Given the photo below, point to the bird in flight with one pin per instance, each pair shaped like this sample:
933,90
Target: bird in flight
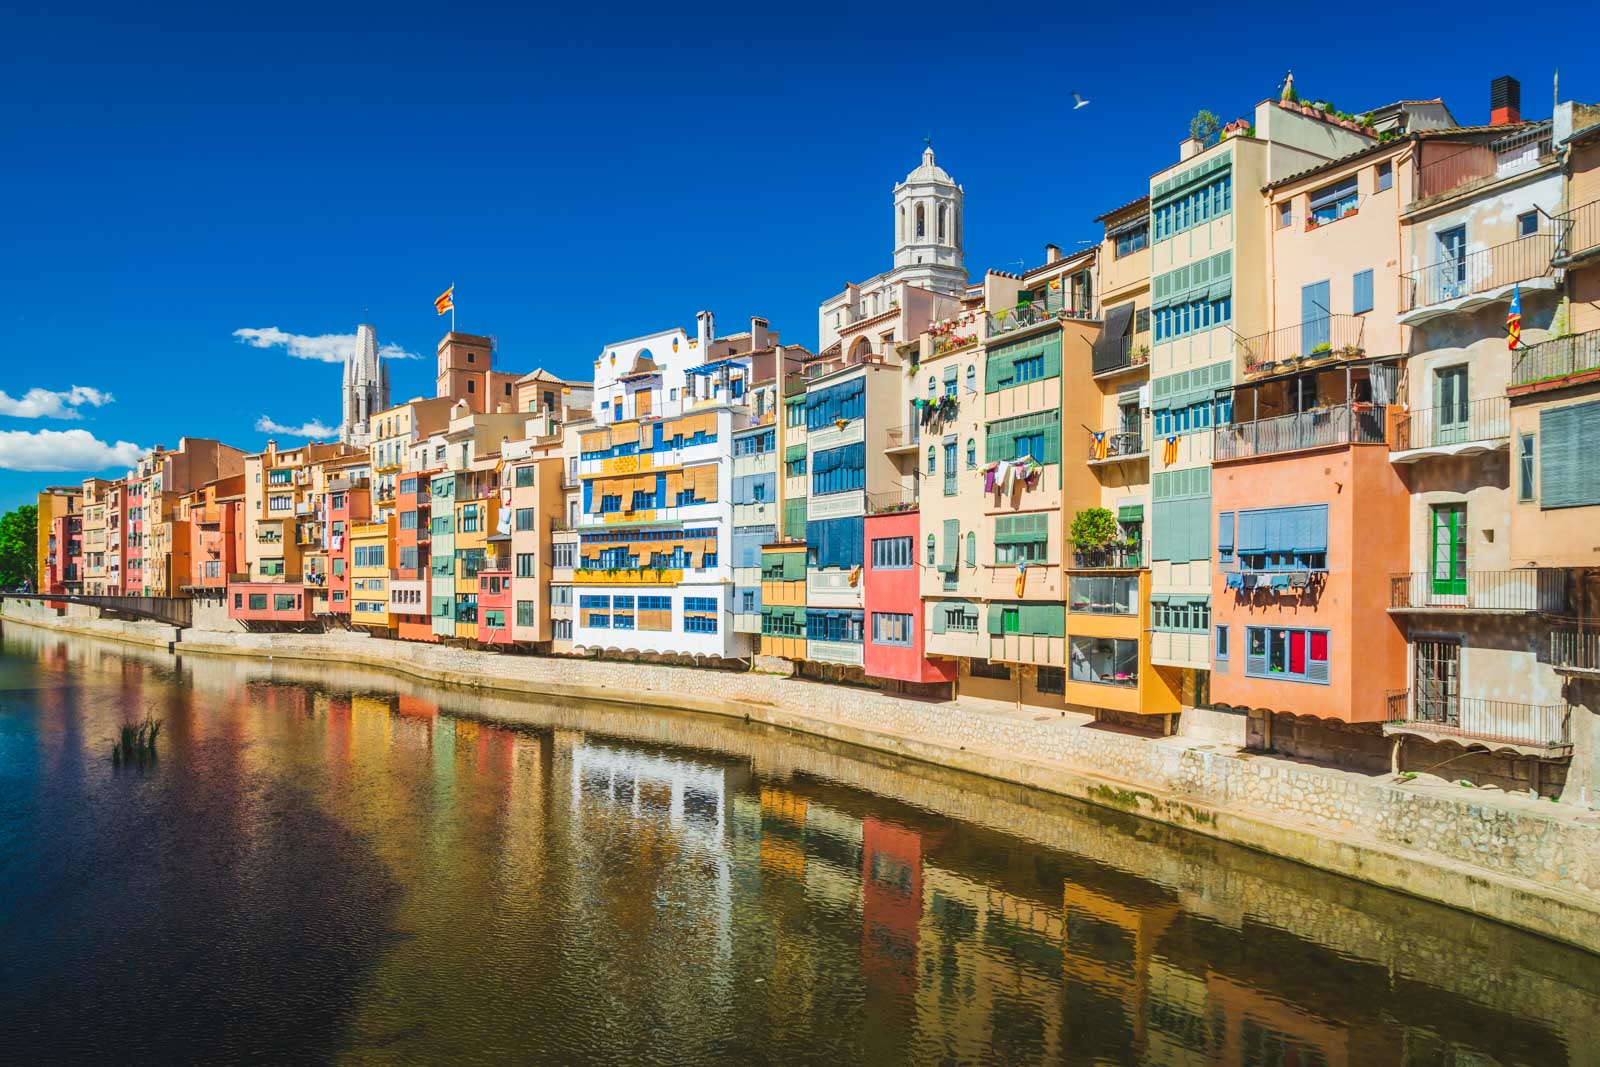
1081,102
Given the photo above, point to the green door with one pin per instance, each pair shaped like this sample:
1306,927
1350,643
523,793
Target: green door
1450,549
1450,405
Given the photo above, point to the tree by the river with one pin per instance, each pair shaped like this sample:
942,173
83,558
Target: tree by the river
19,546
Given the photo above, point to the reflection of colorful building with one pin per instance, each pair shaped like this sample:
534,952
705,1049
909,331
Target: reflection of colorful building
891,904
1110,940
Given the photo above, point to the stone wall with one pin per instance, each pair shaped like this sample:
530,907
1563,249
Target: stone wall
1525,862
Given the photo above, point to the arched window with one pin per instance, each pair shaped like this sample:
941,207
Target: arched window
930,550
972,549
922,221
972,453
902,223
933,388
942,210
932,459
972,377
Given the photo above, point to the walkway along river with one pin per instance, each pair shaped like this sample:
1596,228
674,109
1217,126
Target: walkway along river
337,864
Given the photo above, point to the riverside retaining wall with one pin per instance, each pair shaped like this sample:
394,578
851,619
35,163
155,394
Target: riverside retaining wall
1528,863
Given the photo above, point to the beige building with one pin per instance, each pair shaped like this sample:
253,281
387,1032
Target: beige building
394,434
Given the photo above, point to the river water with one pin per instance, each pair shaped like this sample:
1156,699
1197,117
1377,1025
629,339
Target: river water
326,864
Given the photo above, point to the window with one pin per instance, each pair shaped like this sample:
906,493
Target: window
972,550
258,602
839,470
1037,435
1183,615
1104,595
933,460
595,612
273,568
891,629
930,550
525,565
1141,320
1104,660
1525,467
1361,292
1285,214
841,625
956,618
700,615
1286,654
795,468
524,477
408,520
336,502
280,502
561,629
561,554
1336,200
1219,653
982,668
747,601
972,378
1193,316
1450,549
524,519
622,617
1211,200
892,553
1052,680
1527,224
950,470
472,387
561,596
280,477
1133,238
1274,539
824,407
492,618
1385,176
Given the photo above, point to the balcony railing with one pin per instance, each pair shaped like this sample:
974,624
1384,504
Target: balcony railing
1478,272
1540,725
1351,424
1328,337
1575,650
1497,159
1119,444
1120,353
1024,315
1542,589
1488,419
1557,358
907,436
1110,557
1580,232
891,502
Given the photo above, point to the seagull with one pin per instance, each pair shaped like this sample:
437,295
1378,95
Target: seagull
1081,102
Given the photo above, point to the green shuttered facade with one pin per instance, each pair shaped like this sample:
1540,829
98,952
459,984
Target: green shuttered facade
1181,528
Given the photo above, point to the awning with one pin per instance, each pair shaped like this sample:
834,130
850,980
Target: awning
1130,513
1118,320
794,452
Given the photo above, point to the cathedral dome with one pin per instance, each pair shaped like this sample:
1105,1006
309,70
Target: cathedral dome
929,171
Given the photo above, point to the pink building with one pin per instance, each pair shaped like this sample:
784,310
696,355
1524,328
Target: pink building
894,646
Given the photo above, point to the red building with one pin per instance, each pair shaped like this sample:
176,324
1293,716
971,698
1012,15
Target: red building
893,599
408,589
216,536
349,500
138,531
269,602
65,563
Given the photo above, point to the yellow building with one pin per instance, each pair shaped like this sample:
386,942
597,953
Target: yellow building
371,554
56,502
783,600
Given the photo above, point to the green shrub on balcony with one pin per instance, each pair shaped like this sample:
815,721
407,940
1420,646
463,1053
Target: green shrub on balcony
1093,528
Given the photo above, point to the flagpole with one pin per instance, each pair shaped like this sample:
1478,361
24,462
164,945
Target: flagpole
452,307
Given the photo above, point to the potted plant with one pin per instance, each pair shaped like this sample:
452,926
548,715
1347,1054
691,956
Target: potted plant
1352,352
1140,355
1321,350
1093,530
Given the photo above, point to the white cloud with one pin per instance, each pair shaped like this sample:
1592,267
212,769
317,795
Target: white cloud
313,429
63,450
324,348
46,404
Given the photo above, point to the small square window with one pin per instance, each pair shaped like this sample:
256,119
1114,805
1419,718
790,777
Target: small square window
1527,224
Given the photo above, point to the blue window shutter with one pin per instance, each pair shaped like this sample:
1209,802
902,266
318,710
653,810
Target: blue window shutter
1313,319
1361,286
1225,537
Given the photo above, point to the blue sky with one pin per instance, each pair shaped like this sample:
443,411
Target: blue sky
175,176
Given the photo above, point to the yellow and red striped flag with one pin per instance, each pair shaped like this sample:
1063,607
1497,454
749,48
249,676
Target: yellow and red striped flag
446,301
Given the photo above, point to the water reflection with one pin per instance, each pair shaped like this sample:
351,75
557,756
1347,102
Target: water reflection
346,865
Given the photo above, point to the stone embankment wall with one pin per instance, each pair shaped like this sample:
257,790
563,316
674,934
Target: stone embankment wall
1530,863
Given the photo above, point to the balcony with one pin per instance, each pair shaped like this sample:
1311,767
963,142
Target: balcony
1115,355
1580,234
1347,424
1539,729
905,437
1304,345
893,502
1550,363
628,576
1118,446
1024,316
1527,589
1466,283
1472,164
1452,430
1575,651
1108,557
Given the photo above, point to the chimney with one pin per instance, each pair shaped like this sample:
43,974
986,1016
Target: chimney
707,329
1505,101
1052,253
758,333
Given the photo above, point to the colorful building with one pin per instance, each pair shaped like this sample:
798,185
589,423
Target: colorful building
410,606
60,528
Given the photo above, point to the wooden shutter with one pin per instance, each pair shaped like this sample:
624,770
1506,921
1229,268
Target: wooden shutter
1565,481
952,544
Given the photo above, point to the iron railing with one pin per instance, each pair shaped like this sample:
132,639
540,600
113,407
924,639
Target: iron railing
1477,272
1580,232
1119,444
1345,425
892,501
1113,557
1314,339
1541,589
1557,358
1121,353
1497,159
1575,650
1487,419
1549,725
1025,315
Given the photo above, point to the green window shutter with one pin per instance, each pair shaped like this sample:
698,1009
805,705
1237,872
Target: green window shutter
936,610
952,544
1564,479
1052,444
996,615
1044,620
794,566
794,517
1052,356
794,452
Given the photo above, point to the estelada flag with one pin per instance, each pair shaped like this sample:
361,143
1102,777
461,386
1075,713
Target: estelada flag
1169,451
1099,444
1514,319
446,301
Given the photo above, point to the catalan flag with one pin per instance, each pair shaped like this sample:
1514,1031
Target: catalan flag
446,301
1169,450
1099,444
1514,319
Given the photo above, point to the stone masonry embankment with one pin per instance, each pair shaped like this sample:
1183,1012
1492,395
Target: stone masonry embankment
1531,864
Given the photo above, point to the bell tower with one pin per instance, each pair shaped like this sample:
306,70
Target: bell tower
927,228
